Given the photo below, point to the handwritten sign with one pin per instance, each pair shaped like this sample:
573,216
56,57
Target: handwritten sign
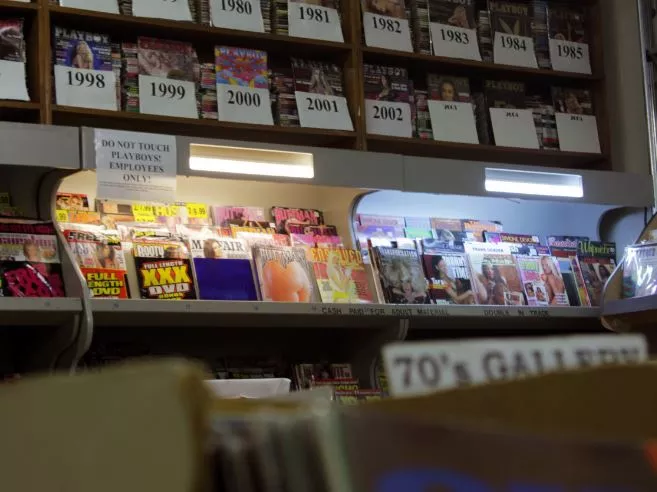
514,128
453,121
578,133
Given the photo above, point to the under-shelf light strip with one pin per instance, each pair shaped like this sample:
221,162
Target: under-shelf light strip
221,165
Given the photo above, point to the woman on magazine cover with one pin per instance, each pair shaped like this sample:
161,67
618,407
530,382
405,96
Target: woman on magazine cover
84,57
441,271
553,282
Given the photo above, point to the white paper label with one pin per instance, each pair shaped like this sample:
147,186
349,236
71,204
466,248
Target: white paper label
510,49
578,133
83,88
243,15
567,56
167,97
514,128
453,122
135,166
388,118
322,111
455,42
162,9
107,6
13,84
314,22
244,104
426,367
382,31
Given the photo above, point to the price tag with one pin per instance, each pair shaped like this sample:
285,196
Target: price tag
382,31
314,22
567,56
83,88
197,210
162,9
388,118
514,128
243,15
578,133
143,213
13,84
240,104
107,6
453,122
61,215
322,111
167,97
455,42
166,210
510,49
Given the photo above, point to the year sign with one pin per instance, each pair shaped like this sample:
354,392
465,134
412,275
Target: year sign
164,89
307,12
576,53
318,104
238,6
510,49
244,99
386,24
454,36
513,43
388,113
78,79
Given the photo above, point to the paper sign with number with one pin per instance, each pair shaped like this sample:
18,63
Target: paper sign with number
514,128
322,111
567,56
455,42
388,118
61,215
197,210
243,15
13,84
382,31
578,133
240,104
426,367
143,213
83,88
106,6
453,122
167,97
518,51
162,9
314,22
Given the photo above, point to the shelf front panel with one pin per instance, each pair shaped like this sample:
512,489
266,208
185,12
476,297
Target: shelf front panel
8,6
39,145
36,311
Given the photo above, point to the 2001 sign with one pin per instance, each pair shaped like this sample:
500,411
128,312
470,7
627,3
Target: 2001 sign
318,104
388,113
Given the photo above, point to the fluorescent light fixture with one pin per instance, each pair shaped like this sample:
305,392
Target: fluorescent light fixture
254,162
534,183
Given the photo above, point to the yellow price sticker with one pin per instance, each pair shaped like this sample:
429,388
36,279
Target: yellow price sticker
197,211
143,213
61,215
166,210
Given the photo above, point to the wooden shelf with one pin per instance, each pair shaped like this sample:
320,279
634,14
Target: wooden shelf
485,153
428,63
24,105
11,6
122,120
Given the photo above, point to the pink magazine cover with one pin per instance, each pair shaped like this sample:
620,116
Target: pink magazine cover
241,66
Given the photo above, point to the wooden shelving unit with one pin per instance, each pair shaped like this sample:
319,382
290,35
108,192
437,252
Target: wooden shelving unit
41,16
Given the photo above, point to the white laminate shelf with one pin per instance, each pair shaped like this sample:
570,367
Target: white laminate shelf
38,311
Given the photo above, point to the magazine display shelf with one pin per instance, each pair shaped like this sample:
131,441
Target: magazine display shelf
49,333
41,16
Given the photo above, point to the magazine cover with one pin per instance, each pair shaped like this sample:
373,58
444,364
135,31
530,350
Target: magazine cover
381,220
567,22
168,59
341,276
449,230
572,101
221,215
80,49
321,230
510,17
505,237
448,273
386,83
222,268
459,13
401,275
12,41
29,260
415,233
72,201
329,242
447,88
542,281
479,227
391,8
640,270
163,268
495,278
317,77
102,262
564,249
241,66
284,217
284,274
417,223
597,261
505,94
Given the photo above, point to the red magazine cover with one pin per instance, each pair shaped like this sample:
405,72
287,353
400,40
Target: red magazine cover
285,217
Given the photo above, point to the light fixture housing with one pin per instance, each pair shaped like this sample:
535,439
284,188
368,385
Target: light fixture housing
537,183
253,162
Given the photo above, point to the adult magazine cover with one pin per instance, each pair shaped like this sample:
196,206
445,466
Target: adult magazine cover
450,230
241,66
478,227
72,201
285,218
572,101
542,281
567,22
507,94
81,49
221,215
401,275
458,13
101,260
341,275
390,8
597,261
222,267
317,77
168,59
381,220
448,88
495,278
386,83
446,267
510,17
29,260
12,40
564,250
284,274
640,270
163,267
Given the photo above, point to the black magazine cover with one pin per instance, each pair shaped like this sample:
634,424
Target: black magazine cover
567,22
401,274
505,94
572,101
386,83
510,17
447,88
458,13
